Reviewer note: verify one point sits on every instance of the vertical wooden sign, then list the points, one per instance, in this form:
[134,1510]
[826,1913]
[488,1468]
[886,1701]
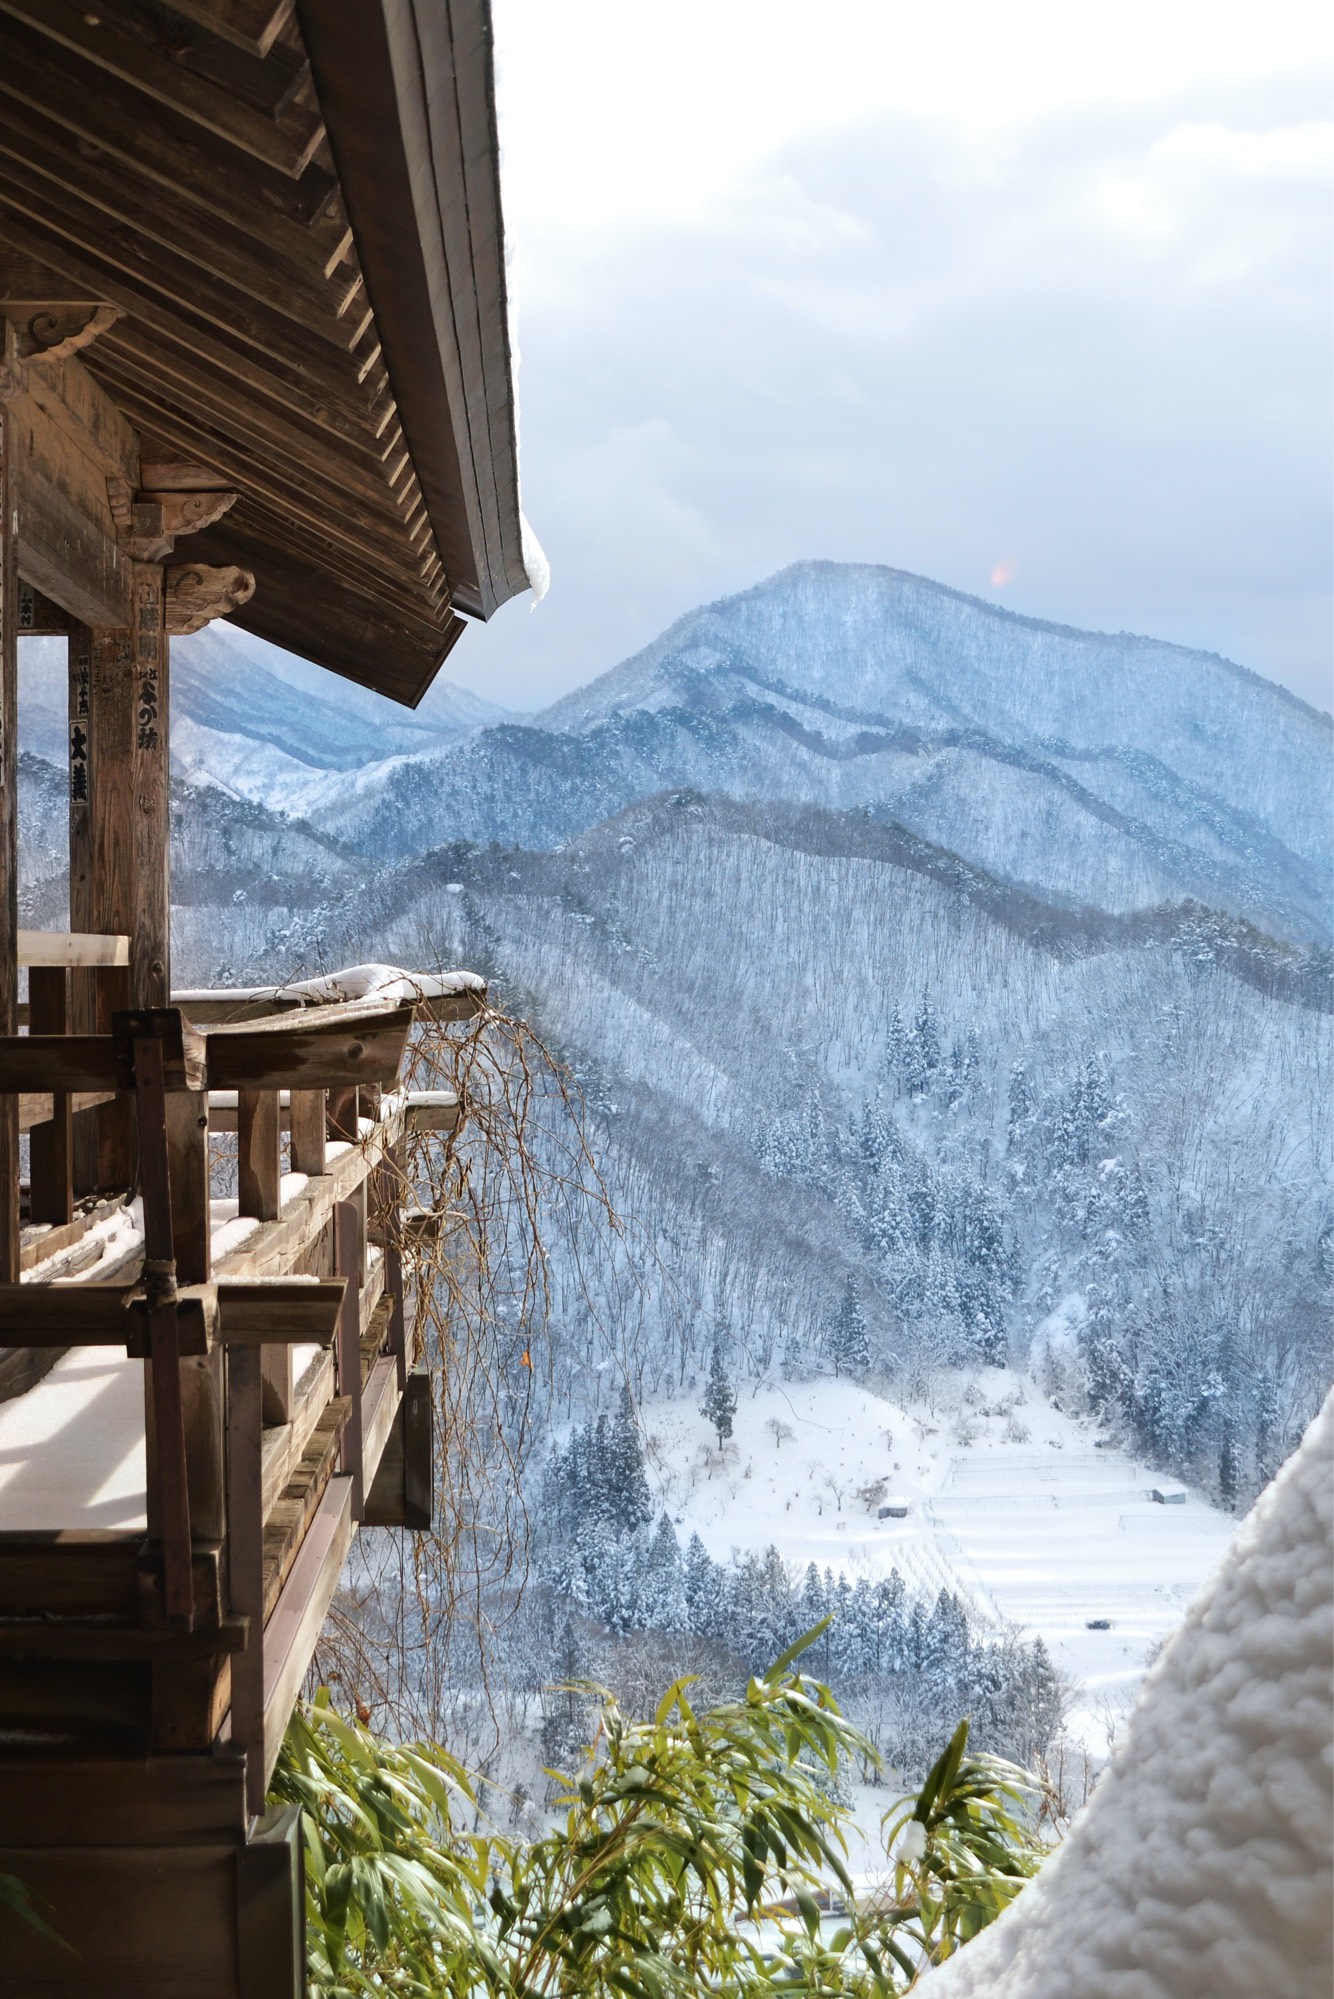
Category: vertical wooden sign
[150,948]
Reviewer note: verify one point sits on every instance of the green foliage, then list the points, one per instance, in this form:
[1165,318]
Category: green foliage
[14,1896]
[690,1856]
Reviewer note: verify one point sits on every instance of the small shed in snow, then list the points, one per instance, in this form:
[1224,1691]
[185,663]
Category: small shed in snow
[1168,1494]
[893,1509]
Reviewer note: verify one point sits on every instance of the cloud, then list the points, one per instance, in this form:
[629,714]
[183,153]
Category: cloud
[1087,356]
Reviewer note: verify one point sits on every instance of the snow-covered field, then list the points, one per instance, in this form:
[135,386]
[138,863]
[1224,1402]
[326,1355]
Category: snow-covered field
[1012,1504]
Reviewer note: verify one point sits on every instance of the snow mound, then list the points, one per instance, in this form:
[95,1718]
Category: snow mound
[1202,1868]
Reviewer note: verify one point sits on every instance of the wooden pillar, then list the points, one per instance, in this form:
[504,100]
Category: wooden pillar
[9,838]
[245,1559]
[201,1374]
[50,1149]
[82,915]
[124,857]
[348,1254]
[308,1131]
[109,904]
[259,1167]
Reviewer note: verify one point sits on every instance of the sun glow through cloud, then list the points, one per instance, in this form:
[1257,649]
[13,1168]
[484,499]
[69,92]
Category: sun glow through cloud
[1003,573]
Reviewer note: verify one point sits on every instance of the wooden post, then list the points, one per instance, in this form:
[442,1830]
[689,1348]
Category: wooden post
[82,910]
[258,1154]
[347,1344]
[127,851]
[245,1558]
[163,1334]
[110,866]
[398,1335]
[308,1131]
[259,1166]
[343,1113]
[52,1156]
[201,1374]
[9,834]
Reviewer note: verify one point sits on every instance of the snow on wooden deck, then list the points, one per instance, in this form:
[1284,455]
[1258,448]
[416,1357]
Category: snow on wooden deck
[72,1448]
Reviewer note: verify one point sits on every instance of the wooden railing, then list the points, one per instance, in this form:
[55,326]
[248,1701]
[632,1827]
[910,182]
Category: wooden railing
[253,1490]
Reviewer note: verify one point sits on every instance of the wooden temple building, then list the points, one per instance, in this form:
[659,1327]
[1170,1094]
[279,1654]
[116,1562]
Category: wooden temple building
[256,365]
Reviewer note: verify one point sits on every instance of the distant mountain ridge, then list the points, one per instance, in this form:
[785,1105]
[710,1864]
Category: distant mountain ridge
[1118,772]
[1108,772]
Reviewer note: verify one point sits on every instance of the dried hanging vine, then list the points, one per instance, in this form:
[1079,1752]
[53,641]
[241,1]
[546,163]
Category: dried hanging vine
[415,1630]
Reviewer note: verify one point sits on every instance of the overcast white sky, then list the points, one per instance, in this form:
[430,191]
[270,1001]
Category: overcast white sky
[1034,300]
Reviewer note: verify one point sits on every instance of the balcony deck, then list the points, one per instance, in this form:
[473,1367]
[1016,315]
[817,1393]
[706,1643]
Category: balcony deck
[285,1307]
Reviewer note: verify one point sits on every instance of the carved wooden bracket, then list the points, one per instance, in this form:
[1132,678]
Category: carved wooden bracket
[148,523]
[195,595]
[50,332]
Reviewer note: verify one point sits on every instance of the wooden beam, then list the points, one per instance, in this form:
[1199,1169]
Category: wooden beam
[66,1572]
[432,1110]
[291,1313]
[260,440]
[280,508]
[187,1135]
[287,142]
[181,337]
[235,1312]
[306,1053]
[72,947]
[50,332]
[39,615]
[76,405]
[10,1250]
[167,148]
[298,1617]
[65,530]
[186,234]
[302,1051]
[253,25]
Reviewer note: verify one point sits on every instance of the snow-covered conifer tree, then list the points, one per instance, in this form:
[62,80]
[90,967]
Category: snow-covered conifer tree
[719,1403]
[846,1341]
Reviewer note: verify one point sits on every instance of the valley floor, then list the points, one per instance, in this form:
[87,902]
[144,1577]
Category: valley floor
[1020,1509]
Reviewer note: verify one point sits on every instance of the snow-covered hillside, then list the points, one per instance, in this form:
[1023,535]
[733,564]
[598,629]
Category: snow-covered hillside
[1035,1518]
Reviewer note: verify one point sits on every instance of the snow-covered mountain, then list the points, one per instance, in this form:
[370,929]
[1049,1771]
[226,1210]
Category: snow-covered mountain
[259,724]
[1106,770]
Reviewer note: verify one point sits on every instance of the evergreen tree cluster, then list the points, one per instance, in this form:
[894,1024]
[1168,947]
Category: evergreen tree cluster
[967,1206]
[595,1482]
[601,1560]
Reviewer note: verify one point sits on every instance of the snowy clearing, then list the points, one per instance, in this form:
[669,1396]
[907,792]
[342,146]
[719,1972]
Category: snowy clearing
[1014,1505]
